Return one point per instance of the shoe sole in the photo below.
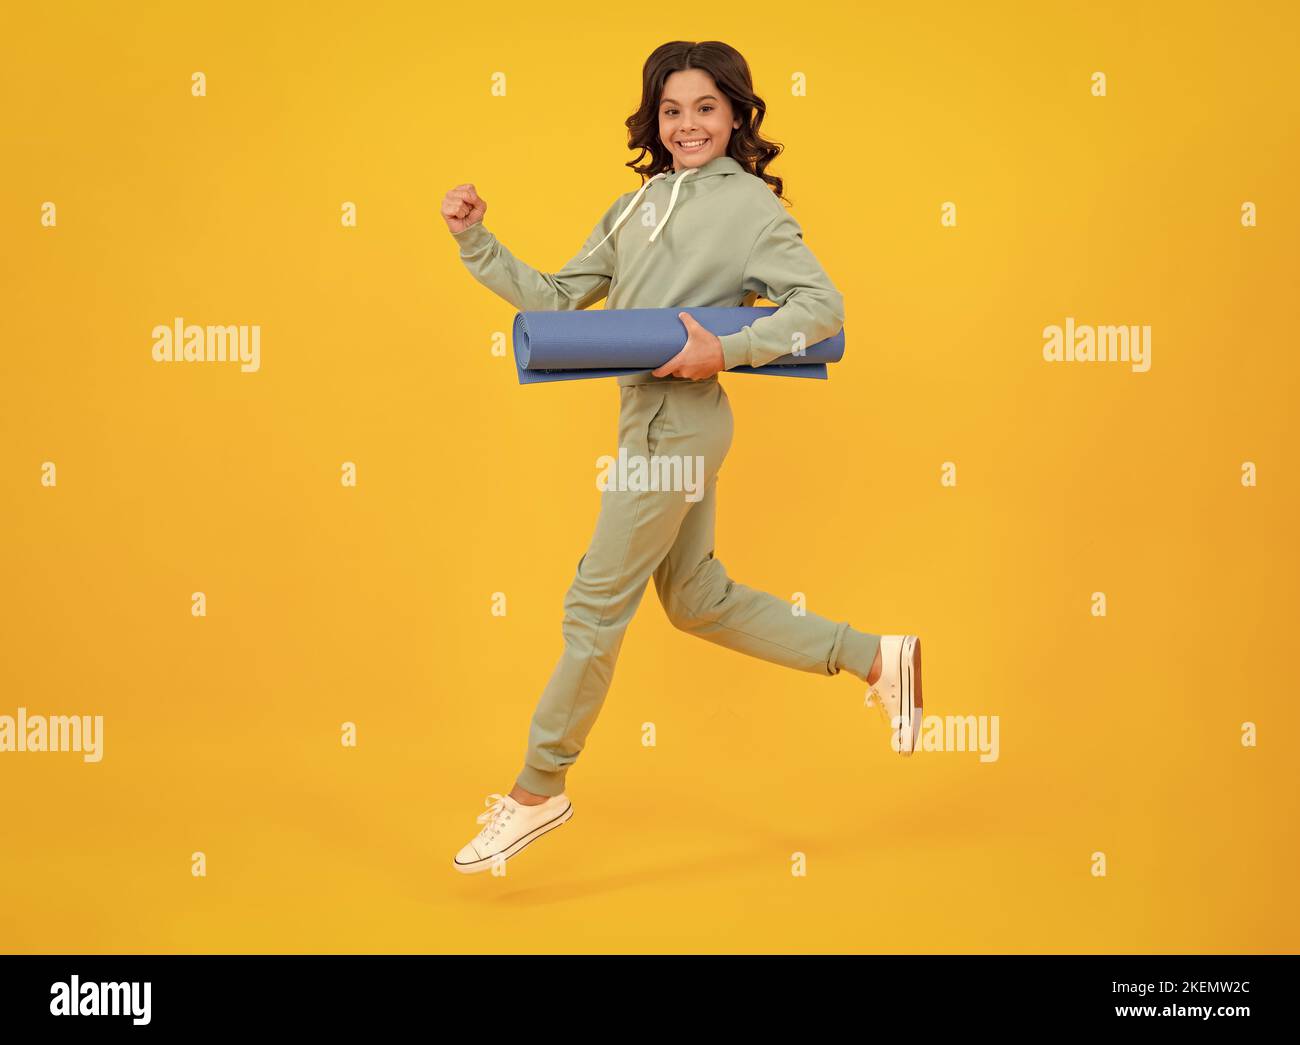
(517, 846)
(909, 673)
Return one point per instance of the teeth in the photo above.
(693, 144)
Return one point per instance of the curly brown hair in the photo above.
(730, 72)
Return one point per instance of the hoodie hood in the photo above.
(723, 164)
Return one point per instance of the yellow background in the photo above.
(372, 605)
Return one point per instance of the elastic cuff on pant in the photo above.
(833, 663)
(858, 652)
(541, 781)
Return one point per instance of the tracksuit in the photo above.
(730, 241)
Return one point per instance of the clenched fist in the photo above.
(463, 207)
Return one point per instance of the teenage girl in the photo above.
(730, 240)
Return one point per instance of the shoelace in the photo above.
(495, 817)
(878, 702)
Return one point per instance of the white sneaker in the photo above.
(897, 693)
(508, 826)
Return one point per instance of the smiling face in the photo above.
(695, 119)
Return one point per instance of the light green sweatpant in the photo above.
(663, 533)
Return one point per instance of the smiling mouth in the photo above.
(693, 144)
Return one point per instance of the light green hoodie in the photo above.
(730, 241)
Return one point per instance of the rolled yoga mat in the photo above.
(574, 344)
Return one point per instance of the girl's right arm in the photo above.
(579, 284)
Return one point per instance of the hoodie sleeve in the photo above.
(579, 284)
(783, 270)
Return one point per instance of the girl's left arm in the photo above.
(783, 270)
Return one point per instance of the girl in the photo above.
(709, 230)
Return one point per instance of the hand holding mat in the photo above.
(574, 344)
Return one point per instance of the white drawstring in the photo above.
(672, 202)
(626, 211)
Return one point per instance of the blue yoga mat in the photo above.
(574, 344)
